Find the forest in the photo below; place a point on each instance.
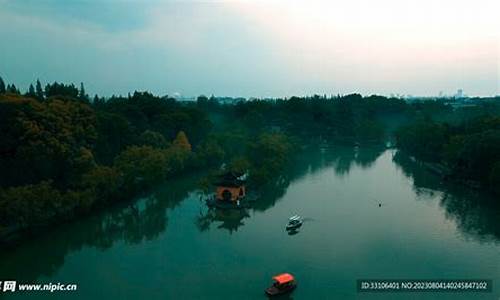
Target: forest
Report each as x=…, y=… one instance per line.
x=469, y=151
x=64, y=153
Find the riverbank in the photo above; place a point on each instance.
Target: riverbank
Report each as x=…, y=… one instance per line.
x=467, y=152
x=135, y=171
x=444, y=172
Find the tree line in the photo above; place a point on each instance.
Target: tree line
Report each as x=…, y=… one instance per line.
x=470, y=150
x=63, y=153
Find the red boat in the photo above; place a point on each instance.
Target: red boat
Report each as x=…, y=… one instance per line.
x=283, y=283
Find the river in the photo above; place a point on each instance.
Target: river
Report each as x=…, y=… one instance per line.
x=168, y=245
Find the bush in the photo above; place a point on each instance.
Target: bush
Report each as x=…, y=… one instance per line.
x=103, y=182
x=210, y=153
x=142, y=164
x=153, y=139
x=30, y=204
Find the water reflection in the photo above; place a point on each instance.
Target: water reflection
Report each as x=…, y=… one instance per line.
x=476, y=213
x=135, y=222
x=366, y=156
x=130, y=223
x=228, y=219
x=340, y=159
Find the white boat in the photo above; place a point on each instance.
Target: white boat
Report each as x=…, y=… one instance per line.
x=294, y=222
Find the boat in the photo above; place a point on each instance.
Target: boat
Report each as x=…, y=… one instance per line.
x=283, y=283
x=294, y=223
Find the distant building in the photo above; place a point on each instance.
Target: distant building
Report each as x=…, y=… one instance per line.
x=459, y=94
x=229, y=100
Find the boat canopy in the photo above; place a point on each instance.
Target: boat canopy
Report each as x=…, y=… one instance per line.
x=283, y=278
x=296, y=217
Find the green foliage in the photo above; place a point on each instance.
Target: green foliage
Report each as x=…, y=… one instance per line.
x=494, y=178
x=39, y=91
x=61, y=155
x=30, y=204
x=63, y=140
x=103, y=182
x=207, y=104
x=2, y=86
x=340, y=119
x=146, y=165
x=143, y=111
x=254, y=121
x=471, y=150
x=474, y=155
x=81, y=93
x=31, y=92
x=62, y=90
x=210, y=153
x=268, y=155
x=12, y=89
x=370, y=131
x=239, y=165
x=153, y=138
x=234, y=142
x=142, y=165
x=41, y=141
x=426, y=140
x=178, y=160
x=114, y=135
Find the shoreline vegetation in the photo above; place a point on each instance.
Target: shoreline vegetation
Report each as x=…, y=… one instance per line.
x=63, y=154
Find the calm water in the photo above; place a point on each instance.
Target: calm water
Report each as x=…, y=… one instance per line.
x=170, y=246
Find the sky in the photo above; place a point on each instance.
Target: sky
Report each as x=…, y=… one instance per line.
x=259, y=48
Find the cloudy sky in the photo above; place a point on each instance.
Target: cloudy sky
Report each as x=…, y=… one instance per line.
x=254, y=48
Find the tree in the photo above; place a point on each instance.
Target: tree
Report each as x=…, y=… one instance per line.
x=39, y=90
x=206, y=104
x=115, y=134
x=210, y=153
x=268, y=156
x=142, y=165
x=11, y=88
x=153, y=138
x=98, y=101
x=426, y=140
x=2, y=86
x=61, y=89
x=104, y=182
x=370, y=131
x=31, y=92
x=178, y=159
x=239, y=165
x=182, y=141
x=344, y=123
x=81, y=93
x=44, y=140
x=476, y=155
x=494, y=178
x=29, y=205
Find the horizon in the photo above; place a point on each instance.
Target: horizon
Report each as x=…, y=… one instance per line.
x=459, y=94
x=254, y=49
